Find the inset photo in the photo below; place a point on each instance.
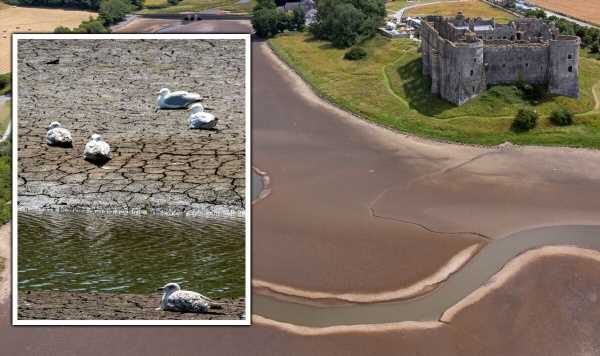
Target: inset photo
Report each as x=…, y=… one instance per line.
x=131, y=155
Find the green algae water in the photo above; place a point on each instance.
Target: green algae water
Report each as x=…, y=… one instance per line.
x=130, y=254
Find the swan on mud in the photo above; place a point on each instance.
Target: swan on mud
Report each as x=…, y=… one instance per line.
x=199, y=119
x=97, y=150
x=183, y=301
x=175, y=100
x=58, y=136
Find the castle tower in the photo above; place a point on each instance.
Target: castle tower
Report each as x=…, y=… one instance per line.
x=563, y=69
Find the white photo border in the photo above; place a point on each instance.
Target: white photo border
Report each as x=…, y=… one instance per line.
x=248, y=165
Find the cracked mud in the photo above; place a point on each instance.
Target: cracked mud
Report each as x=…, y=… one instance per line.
x=109, y=87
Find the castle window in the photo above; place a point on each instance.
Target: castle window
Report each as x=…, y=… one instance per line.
x=526, y=64
x=471, y=73
x=503, y=65
x=570, y=68
x=474, y=60
x=473, y=90
x=570, y=56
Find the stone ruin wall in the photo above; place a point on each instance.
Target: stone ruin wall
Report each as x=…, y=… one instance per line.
x=461, y=71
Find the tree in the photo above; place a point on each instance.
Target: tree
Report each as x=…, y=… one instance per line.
x=298, y=19
x=345, y=22
x=92, y=26
x=265, y=4
x=62, y=29
x=113, y=11
x=265, y=22
x=562, y=117
x=283, y=21
x=525, y=120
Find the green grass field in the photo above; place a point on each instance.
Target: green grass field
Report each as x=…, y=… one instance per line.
x=387, y=88
x=472, y=8
x=162, y=6
x=5, y=114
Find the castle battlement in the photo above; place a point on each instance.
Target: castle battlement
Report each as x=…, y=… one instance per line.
x=462, y=56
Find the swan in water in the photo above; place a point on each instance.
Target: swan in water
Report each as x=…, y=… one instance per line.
x=97, y=150
x=183, y=301
x=58, y=136
x=201, y=120
x=175, y=100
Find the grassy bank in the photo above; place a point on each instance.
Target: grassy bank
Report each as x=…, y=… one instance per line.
x=387, y=88
x=163, y=6
x=472, y=8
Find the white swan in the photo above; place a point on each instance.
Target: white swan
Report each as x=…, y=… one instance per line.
x=177, y=300
x=96, y=150
x=175, y=100
x=201, y=120
x=58, y=136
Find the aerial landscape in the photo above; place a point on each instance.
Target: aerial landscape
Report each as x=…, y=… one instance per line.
x=390, y=217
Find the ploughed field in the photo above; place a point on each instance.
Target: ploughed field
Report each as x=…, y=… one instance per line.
x=585, y=10
x=387, y=87
x=471, y=8
x=26, y=19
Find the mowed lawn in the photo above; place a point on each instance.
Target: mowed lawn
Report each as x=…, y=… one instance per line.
x=470, y=8
x=27, y=19
x=163, y=6
x=387, y=88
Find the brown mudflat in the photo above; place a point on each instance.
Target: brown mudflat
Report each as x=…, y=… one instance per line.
x=108, y=306
x=110, y=87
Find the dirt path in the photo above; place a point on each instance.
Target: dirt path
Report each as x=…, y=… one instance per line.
x=107, y=306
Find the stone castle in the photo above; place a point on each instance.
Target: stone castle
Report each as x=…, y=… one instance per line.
x=463, y=56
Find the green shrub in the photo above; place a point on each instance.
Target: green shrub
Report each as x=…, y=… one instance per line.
x=525, y=120
x=346, y=22
x=173, y=2
x=355, y=53
x=5, y=83
x=265, y=22
x=113, y=11
x=562, y=117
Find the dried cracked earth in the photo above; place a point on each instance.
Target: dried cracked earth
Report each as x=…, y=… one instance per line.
x=109, y=87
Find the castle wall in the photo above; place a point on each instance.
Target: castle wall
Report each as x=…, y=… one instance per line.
x=564, y=66
x=462, y=73
x=509, y=62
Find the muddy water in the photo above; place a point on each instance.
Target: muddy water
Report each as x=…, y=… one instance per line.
x=130, y=254
x=431, y=306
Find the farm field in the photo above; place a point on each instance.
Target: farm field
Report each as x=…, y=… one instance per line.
x=470, y=8
x=24, y=19
x=163, y=6
x=585, y=10
x=387, y=88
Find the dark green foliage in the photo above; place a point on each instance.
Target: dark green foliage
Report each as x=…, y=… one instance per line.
x=73, y=4
x=525, y=120
x=595, y=47
x=268, y=21
x=355, y=53
x=265, y=4
x=265, y=21
x=345, y=22
x=5, y=184
x=113, y=11
x=298, y=19
x=531, y=92
x=173, y=2
x=90, y=26
x=283, y=21
x=562, y=117
x=538, y=13
x=5, y=83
